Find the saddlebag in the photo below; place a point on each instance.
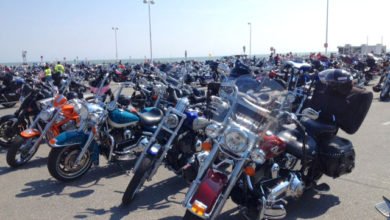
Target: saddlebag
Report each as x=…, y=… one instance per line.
x=337, y=157
x=347, y=110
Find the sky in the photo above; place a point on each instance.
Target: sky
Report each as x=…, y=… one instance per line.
x=83, y=28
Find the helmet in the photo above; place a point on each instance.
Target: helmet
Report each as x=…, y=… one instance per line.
x=72, y=95
x=239, y=69
x=337, y=80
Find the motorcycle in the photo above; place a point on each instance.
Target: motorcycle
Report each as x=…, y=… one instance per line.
x=259, y=165
x=10, y=91
x=115, y=133
x=384, y=87
x=49, y=123
x=173, y=143
x=33, y=99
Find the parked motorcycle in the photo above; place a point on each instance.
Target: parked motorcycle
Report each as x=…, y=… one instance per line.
x=173, y=143
x=33, y=95
x=10, y=90
x=108, y=130
x=49, y=123
x=259, y=165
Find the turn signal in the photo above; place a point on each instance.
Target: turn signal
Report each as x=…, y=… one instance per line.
x=52, y=141
x=206, y=146
x=198, y=208
x=250, y=171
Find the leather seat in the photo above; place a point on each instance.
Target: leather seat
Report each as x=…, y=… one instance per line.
x=294, y=143
x=151, y=117
x=318, y=129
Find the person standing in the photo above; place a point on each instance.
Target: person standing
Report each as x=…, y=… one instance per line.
x=58, y=71
x=47, y=73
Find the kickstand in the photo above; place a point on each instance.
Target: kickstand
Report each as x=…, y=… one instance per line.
x=384, y=207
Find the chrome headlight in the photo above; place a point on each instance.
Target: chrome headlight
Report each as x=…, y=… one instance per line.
x=258, y=156
x=213, y=130
x=172, y=121
x=46, y=114
x=236, y=140
x=94, y=117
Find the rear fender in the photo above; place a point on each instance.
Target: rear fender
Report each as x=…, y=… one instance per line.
x=69, y=138
x=210, y=189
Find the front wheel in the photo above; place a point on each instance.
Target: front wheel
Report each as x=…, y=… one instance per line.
x=138, y=180
x=191, y=216
x=21, y=151
x=62, y=163
x=10, y=127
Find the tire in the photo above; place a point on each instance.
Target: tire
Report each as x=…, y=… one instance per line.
x=60, y=163
x=384, y=95
x=10, y=128
x=9, y=105
x=19, y=154
x=138, y=180
x=190, y=216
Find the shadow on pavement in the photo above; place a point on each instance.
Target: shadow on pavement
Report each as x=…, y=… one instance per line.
x=34, y=163
x=312, y=204
x=152, y=197
x=53, y=187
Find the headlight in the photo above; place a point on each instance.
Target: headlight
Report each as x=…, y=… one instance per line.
x=213, y=130
x=46, y=114
x=80, y=108
x=258, y=156
x=236, y=140
x=94, y=117
x=172, y=121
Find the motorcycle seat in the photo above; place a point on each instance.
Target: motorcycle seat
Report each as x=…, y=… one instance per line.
x=319, y=129
x=294, y=143
x=151, y=117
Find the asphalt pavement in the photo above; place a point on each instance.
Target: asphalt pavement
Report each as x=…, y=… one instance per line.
x=31, y=193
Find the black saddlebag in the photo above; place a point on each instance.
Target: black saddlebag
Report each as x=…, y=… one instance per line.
x=348, y=111
x=337, y=157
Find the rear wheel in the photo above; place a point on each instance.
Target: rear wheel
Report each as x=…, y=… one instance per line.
x=191, y=216
x=138, y=180
x=21, y=151
x=62, y=163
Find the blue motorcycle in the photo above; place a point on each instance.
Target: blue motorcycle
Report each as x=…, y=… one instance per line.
x=117, y=134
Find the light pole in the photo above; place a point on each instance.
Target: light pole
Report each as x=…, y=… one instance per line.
x=250, y=39
x=115, y=29
x=149, y=2
x=326, y=37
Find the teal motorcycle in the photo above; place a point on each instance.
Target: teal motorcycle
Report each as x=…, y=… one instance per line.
x=117, y=134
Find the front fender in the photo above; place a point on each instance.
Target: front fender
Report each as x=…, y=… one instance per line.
x=69, y=138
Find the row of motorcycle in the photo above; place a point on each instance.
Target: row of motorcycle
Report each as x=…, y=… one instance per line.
x=258, y=139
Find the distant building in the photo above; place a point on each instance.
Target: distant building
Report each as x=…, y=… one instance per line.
x=363, y=49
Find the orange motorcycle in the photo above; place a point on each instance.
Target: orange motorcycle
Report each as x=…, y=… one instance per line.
x=49, y=123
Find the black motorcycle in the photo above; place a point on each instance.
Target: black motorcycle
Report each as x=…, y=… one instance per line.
x=10, y=91
x=11, y=125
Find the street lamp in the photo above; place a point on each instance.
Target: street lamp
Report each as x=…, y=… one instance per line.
x=149, y=2
x=115, y=29
x=326, y=37
x=250, y=39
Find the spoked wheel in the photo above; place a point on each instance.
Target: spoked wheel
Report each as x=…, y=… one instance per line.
x=138, y=180
x=62, y=163
x=9, y=130
x=21, y=151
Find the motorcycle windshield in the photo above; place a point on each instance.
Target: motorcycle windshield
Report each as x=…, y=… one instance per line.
x=251, y=103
